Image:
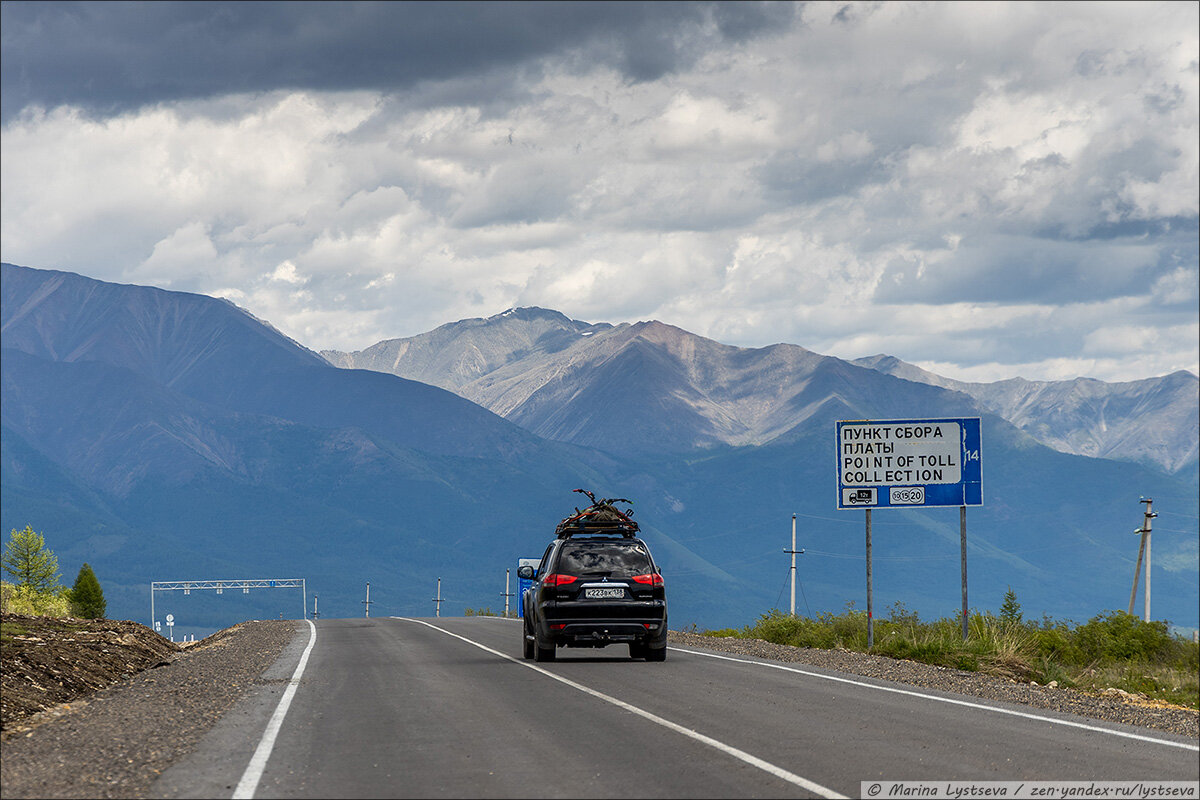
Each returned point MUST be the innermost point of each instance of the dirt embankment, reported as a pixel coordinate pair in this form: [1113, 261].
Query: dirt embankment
[100, 709]
[47, 661]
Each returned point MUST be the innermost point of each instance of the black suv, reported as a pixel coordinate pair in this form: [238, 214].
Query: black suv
[596, 585]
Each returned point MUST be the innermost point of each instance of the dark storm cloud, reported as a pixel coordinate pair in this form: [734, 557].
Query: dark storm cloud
[111, 57]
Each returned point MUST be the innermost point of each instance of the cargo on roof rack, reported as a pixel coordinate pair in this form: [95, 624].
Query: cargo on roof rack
[566, 530]
[601, 517]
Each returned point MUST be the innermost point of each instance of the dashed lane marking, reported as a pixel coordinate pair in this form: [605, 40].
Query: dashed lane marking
[741, 755]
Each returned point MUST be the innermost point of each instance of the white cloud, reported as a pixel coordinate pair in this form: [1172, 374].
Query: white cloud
[1121, 339]
[1180, 287]
[189, 249]
[985, 187]
[286, 273]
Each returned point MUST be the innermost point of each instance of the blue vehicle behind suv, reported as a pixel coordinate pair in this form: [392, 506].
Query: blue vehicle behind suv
[596, 585]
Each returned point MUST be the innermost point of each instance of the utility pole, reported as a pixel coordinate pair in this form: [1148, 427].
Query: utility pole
[1148, 516]
[1137, 570]
[793, 551]
[1143, 548]
[367, 602]
[437, 608]
[1145, 529]
[507, 594]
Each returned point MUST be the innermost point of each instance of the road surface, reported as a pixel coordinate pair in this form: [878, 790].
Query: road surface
[428, 708]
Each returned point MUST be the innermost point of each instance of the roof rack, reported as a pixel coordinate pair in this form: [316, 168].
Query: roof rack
[568, 528]
[601, 517]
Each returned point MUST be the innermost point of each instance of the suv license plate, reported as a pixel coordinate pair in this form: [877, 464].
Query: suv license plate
[603, 594]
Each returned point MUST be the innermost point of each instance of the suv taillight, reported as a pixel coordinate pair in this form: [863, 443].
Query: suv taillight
[652, 579]
[556, 579]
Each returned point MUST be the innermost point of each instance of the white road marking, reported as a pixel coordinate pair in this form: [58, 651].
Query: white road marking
[952, 701]
[258, 762]
[741, 755]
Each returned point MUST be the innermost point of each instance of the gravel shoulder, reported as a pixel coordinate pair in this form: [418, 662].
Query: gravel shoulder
[116, 741]
[1119, 707]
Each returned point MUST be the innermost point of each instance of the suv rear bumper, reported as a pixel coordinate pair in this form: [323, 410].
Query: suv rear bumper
[580, 624]
[594, 633]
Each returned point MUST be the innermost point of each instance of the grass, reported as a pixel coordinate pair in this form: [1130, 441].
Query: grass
[486, 612]
[1112, 650]
[9, 629]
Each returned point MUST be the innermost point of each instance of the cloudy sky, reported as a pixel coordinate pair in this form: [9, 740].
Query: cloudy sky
[986, 190]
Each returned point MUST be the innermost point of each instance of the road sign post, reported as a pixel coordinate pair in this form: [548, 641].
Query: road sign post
[962, 545]
[913, 463]
[870, 590]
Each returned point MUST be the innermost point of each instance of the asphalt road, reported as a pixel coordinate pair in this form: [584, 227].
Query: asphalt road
[448, 708]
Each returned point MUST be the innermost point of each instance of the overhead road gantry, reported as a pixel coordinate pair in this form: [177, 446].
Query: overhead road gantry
[245, 584]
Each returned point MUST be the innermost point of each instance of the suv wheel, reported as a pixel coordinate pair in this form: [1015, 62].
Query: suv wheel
[527, 644]
[656, 655]
[541, 652]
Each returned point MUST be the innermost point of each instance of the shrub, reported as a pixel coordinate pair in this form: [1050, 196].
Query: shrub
[1113, 649]
[1120, 636]
[719, 632]
[1054, 640]
[23, 600]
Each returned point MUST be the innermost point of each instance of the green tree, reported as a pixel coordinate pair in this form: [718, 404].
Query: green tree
[87, 598]
[1010, 610]
[30, 564]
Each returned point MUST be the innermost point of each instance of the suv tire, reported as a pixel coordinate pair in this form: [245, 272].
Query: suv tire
[541, 652]
[526, 644]
[656, 655]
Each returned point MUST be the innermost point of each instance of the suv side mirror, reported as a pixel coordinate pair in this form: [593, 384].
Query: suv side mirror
[525, 572]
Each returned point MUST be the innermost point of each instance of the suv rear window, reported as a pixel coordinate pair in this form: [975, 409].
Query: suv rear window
[604, 559]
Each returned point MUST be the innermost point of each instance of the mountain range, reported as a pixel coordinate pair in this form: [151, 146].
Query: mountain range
[551, 375]
[170, 436]
[1151, 421]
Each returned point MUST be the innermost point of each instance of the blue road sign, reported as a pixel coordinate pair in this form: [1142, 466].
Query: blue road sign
[523, 583]
[909, 463]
